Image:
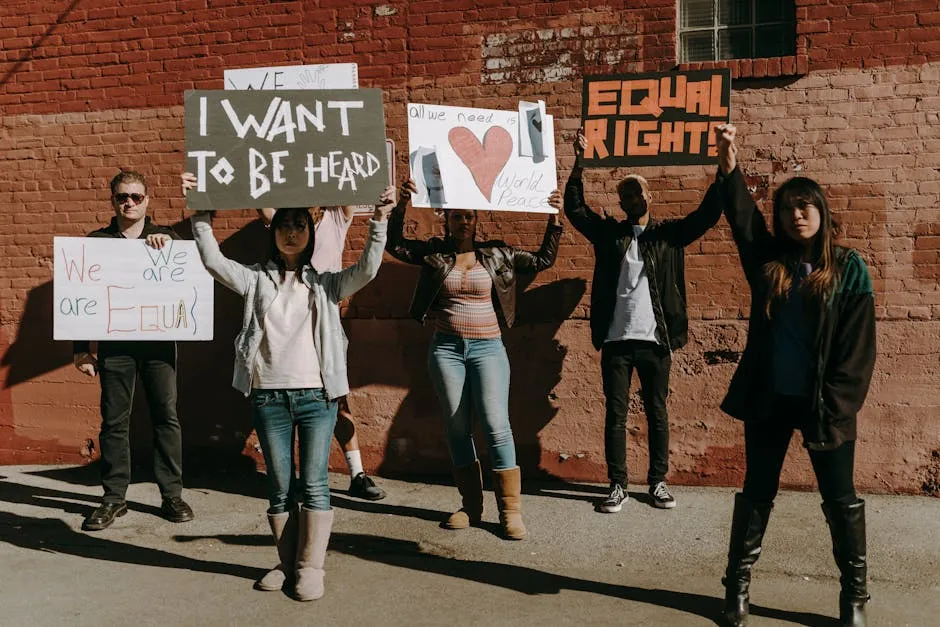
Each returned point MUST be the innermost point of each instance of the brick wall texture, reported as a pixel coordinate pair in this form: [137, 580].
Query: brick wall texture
[89, 87]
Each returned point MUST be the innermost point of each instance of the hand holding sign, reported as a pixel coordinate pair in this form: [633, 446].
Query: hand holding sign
[385, 205]
[554, 201]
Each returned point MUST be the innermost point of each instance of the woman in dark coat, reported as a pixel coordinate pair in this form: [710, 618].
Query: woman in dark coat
[807, 366]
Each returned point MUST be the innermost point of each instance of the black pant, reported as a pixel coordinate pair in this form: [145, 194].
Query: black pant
[766, 443]
[118, 366]
[652, 363]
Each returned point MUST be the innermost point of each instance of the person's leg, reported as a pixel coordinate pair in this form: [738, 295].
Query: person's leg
[488, 373]
[448, 370]
[765, 448]
[845, 515]
[118, 375]
[360, 485]
[653, 363]
[448, 374]
[616, 372]
[158, 375]
[316, 419]
[274, 426]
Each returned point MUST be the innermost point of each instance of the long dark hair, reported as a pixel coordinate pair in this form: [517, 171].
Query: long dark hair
[280, 217]
[819, 285]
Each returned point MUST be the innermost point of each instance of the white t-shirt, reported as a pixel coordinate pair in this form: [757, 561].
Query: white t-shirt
[330, 241]
[633, 312]
[287, 358]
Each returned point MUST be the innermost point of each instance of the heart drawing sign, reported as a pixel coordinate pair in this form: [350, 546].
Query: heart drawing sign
[463, 158]
[484, 160]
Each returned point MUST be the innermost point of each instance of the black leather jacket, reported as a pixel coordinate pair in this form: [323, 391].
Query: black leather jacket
[662, 245]
[437, 257]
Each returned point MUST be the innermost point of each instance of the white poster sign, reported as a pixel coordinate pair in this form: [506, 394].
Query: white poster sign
[463, 158]
[117, 289]
[323, 76]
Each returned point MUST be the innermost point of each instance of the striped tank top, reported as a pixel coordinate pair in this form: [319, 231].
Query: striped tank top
[464, 306]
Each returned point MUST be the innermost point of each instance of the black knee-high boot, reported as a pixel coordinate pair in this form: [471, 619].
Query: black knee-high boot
[748, 524]
[847, 527]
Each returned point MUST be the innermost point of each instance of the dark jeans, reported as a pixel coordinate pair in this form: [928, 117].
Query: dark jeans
[652, 363]
[118, 367]
[766, 443]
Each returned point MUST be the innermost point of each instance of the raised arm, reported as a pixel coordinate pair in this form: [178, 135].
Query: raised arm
[745, 219]
[231, 274]
[406, 250]
[356, 276]
[587, 222]
[524, 261]
[686, 230]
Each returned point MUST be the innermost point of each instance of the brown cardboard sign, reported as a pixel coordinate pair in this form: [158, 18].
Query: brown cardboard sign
[654, 119]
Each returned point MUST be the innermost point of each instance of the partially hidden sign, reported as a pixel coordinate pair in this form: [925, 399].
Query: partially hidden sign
[654, 119]
[293, 148]
[116, 289]
[319, 76]
[463, 158]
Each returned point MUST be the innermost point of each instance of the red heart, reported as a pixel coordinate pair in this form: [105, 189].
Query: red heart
[485, 161]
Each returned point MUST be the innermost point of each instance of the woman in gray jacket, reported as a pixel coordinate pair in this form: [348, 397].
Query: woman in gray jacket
[290, 359]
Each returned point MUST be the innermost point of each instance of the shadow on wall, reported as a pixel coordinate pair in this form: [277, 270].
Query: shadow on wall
[415, 441]
[215, 418]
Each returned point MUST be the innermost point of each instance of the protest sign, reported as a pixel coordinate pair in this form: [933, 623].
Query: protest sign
[654, 119]
[463, 158]
[320, 76]
[296, 148]
[117, 289]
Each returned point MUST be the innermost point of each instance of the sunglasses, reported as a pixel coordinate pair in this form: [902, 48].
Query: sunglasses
[122, 198]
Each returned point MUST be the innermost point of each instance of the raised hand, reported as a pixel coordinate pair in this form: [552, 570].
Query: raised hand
[385, 205]
[188, 181]
[555, 202]
[727, 149]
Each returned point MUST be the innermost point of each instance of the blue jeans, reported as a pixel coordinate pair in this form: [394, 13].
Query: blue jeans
[275, 413]
[472, 376]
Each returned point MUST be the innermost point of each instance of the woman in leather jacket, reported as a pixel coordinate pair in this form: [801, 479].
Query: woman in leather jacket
[461, 282]
[806, 366]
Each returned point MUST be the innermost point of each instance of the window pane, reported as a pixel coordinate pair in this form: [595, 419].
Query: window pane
[774, 41]
[734, 43]
[697, 46]
[697, 13]
[775, 11]
[734, 12]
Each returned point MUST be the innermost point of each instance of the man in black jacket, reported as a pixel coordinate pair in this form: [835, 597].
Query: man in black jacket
[638, 314]
[118, 364]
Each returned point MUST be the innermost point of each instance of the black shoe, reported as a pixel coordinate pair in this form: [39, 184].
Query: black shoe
[176, 510]
[661, 497]
[103, 516]
[614, 502]
[363, 487]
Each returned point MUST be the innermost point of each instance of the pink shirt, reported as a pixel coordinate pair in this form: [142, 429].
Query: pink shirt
[464, 306]
[330, 241]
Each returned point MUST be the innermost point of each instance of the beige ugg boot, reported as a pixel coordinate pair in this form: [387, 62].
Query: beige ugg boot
[469, 480]
[284, 530]
[312, 539]
[509, 501]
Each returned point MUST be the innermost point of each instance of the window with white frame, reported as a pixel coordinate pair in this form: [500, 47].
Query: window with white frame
[716, 30]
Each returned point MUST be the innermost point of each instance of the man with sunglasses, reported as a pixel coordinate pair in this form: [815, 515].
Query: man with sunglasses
[118, 364]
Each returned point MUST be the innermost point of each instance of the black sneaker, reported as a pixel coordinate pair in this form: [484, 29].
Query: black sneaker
[362, 487]
[103, 516]
[661, 497]
[176, 510]
[614, 502]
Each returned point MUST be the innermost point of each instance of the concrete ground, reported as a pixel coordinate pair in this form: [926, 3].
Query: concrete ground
[390, 564]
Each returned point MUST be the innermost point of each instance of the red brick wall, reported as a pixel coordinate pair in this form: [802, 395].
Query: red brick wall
[87, 88]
